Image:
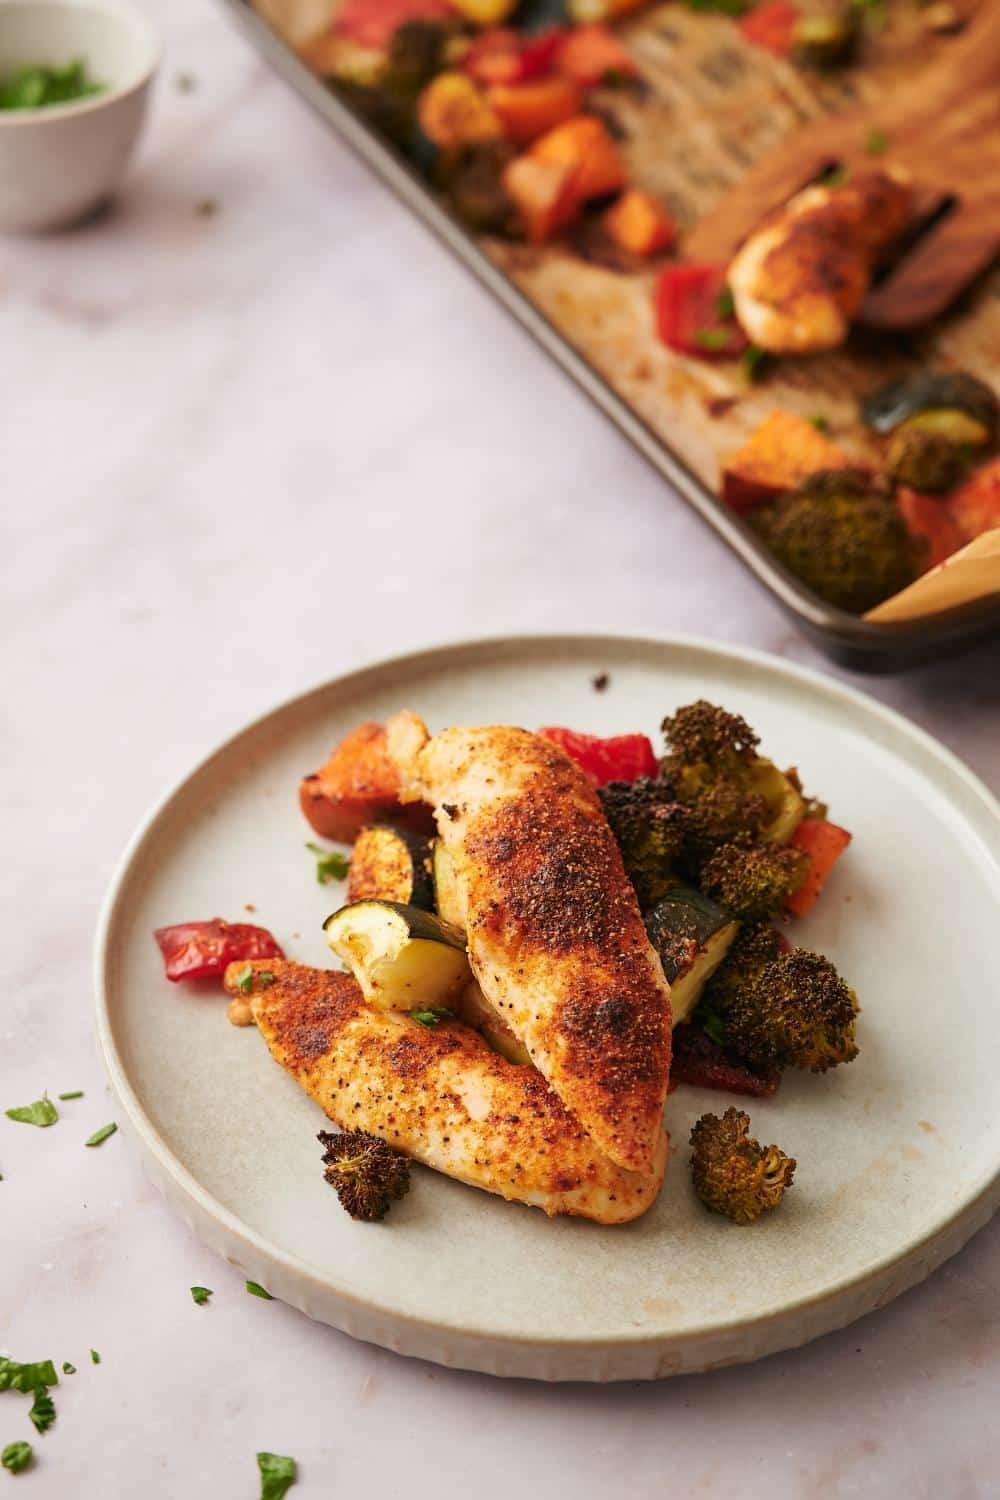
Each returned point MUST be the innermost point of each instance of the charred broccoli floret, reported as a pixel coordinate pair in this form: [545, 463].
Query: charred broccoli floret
[650, 827]
[710, 767]
[927, 458]
[753, 881]
[732, 1173]
[367, 1174]
[780, 1009]
[844, 537]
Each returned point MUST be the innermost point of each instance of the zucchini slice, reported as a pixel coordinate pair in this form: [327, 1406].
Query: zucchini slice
[391, 864]
[476, 1011]
[783, 798]
[446, 895]
[692, 934]
[402, 957]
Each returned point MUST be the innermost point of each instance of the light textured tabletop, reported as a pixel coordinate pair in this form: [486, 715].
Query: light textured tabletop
[244, 450]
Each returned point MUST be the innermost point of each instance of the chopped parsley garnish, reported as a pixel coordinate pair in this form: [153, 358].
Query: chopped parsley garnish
[277, 1475]
[30, 1377]
[820, 422]
[43, 1112]
[37, 87]
[834, 176]
[753, 362]
[67, 1368]
[712, 338]
[245, 982]
[713, 1026]
[330, 864]
[432, 1017]
[724, 304]
[43, 1410]
[256, 1290]
[101, 1135]
[201, 1294]
[16, 1456]
[73, 1094]
[95, 1358]
[877, 142]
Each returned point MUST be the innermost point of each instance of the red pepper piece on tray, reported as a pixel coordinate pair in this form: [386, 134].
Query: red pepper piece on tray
[623, 757]
[371, 23]
[201, 950]
[771, 26]
[694, 312]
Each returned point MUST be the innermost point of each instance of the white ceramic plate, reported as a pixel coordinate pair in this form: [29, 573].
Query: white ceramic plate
[899, 1154]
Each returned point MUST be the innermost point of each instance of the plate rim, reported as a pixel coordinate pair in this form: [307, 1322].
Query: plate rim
[202, 1210]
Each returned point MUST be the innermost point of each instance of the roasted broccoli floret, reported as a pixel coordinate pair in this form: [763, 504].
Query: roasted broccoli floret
[844, 537]
[367, 1174]
[927, 458]
[780, 1009]
[650, 827]
[710, 766]
[753, 881]
[732, 1173]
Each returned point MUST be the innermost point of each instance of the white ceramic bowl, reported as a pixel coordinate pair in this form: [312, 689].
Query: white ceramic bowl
[59, 163]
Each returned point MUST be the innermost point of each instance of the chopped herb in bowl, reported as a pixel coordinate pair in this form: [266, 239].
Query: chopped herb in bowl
[37, 87]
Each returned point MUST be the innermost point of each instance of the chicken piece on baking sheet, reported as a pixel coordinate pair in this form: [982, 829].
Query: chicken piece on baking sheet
[442, 1096]
[554, 932]
[799, 280]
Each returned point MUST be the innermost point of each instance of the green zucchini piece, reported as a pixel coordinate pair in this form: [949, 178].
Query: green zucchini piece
[391, 864]
[474, 1008]
[692, 934]
[782, 797]
[402, 957]
[955, 391]
[446, 895]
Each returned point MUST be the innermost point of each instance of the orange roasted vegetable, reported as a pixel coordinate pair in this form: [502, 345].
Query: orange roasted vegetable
[639, 223]
[359, 783]
[975, 505]
[528, 110]
[591, 54]
[585, 144]
[824, 843]
[777, 456]
[544, 194]
[453, 112]
[928, 516]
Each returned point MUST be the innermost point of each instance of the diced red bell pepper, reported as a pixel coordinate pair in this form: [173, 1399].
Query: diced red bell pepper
[975, 505]
[591, 53]
[623, 757]
[504, 56]
[691, 312]
[697, 1060]
[929, 516]
[371, 23]
[771, 26]
[824, 843]
[201, 950]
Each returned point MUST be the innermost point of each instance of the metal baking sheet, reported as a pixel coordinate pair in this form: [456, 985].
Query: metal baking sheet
[860, 644]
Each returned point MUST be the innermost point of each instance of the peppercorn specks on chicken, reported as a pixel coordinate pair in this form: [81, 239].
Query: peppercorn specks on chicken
[799, 280]
[442, 1096]
[554, 932]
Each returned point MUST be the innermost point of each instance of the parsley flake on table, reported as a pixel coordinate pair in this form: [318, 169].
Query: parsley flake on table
[43, 1410]
[26, 1377]
[73, 1094]
[330, 863]
[256, 1290]
[16, 1456]
[101, 1135]
[67, 1368]
[95, 1358]
[43, 1112]
[277, 1475]
[201, 1294]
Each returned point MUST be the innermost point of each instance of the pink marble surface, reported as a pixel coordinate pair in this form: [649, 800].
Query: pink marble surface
[242, 452]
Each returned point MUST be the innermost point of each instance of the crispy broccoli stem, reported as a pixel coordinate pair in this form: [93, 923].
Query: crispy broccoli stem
[844, 537]
[650, 828]
[780, 1009]
[732, 1173]
[367, 1174]
[753, 881]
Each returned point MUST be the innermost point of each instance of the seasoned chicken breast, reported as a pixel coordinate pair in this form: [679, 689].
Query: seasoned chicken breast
[554, 932]
[799, 280]
[442, 1096]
